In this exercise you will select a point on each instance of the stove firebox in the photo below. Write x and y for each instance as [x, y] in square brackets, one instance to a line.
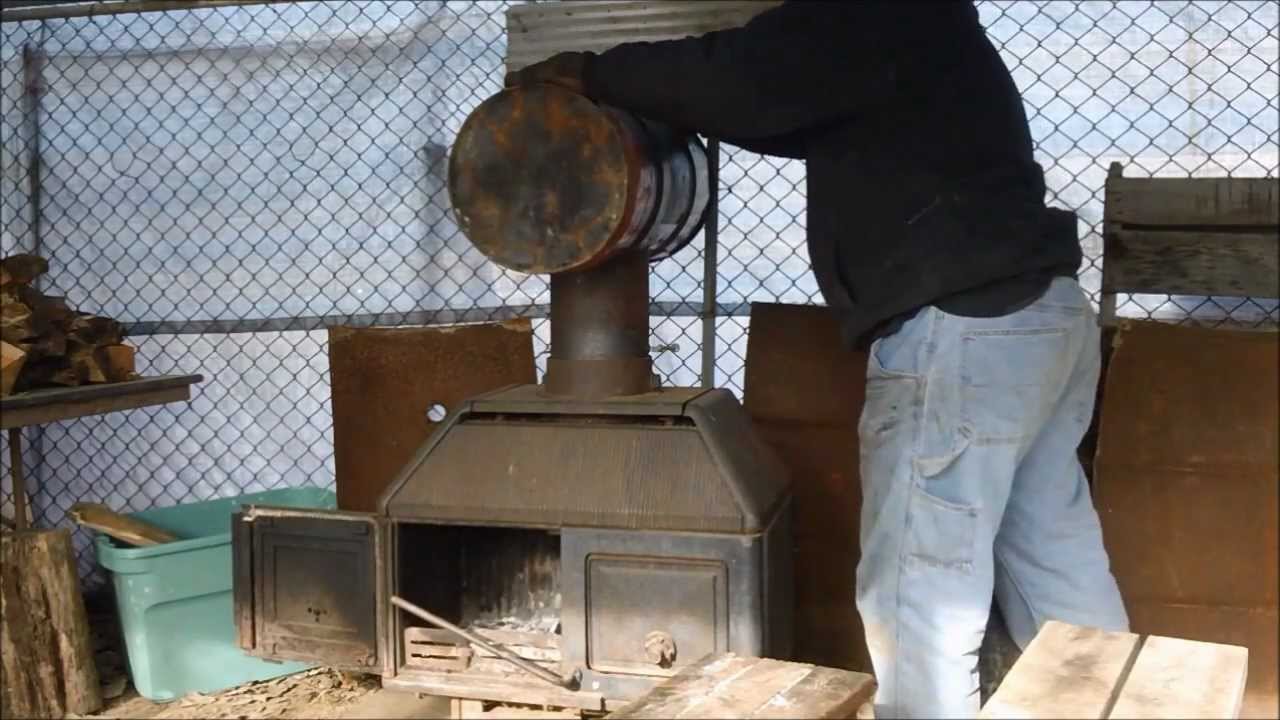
[596, 525]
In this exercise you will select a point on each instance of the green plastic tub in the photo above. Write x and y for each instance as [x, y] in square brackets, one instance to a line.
[175, 599]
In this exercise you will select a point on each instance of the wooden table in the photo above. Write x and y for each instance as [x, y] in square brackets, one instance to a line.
[1078, 672]
[37, 407]
[733, 686]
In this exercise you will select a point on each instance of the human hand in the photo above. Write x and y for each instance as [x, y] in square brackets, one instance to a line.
[563, 70]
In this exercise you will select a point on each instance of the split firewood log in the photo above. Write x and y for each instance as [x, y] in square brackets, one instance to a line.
[46, 653]
[61, 345]
[117, 362]
[94, 331]
[12, 358]
[22, 269]
[17, 325]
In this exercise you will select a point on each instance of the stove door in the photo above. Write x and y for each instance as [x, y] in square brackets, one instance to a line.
[308, 586]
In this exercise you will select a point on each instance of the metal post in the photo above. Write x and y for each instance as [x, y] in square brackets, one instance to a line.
[33, 88]
[19, 482]
[56, 11]
[33, 81]
[710, 262]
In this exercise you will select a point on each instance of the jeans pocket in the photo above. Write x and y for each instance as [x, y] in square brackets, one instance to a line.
[1011, 379]
[941, 534]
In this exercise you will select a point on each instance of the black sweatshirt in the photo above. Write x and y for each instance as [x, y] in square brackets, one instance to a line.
[922, 187]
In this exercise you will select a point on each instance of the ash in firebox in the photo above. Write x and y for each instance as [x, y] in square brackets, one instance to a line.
[543, 624]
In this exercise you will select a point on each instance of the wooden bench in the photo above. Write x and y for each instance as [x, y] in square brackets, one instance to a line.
[1075, 672]
[1188, 236]
[730, 686]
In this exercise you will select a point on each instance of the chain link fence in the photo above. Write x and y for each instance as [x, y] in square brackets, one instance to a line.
[229, 181]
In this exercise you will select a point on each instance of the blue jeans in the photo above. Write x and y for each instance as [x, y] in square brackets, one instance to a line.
[971, 486]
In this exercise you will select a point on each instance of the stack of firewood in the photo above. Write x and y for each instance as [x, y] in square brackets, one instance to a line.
[44, 343]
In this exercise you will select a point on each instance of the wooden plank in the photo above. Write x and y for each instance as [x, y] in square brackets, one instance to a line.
[1193, 201]
[1244, 264]
[1175, 678]
[454, 651]
[529, 645]
[436, 636]
[748, 692]
[45, 396]
[837, 694]
[549, 641]
[125, 529]
[38, 407]
[1254, 628]
[730, 686]
[71, 410]
[455, 664]
[518, 688]
[1066, 671]
[694, 681]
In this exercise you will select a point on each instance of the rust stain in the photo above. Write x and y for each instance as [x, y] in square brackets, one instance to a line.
[540, 176]
[385, 382]
[544, 180]
[804, 393]
[1186, 485]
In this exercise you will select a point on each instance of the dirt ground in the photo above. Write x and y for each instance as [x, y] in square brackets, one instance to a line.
[318, 693]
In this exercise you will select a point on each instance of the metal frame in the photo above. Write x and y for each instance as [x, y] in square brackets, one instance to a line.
[710, 267]
[59, 11]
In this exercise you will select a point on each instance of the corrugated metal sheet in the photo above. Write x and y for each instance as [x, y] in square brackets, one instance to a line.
[537, 31]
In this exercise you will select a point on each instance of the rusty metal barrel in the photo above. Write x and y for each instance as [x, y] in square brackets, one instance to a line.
[543, 180]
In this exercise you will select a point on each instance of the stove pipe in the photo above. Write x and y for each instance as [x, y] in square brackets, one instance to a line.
[543, 180]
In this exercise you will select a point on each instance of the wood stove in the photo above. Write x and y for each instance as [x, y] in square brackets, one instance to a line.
[596, 525]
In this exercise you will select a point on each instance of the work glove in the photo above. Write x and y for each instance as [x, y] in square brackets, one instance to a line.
[564, 70]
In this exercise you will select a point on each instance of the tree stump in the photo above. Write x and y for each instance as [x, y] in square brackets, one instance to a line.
[46, 656]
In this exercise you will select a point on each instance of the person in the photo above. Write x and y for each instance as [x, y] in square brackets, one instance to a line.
[929, 235]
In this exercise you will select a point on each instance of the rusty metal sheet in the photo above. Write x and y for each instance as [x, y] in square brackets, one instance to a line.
[391, 387]
[797, 370]
[1186, 484]
[804, 393]
[536, 31]
[1186, 476]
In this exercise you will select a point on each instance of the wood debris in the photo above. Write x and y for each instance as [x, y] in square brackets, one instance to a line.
[47, 343]
[316, 693]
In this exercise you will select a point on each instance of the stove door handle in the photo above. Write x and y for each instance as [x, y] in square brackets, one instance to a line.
[572, 681]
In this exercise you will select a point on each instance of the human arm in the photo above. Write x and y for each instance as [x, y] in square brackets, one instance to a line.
[787, 71]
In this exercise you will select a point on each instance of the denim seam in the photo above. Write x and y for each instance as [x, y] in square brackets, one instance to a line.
[1017, 586]
[1016, 332]
[926, 350]
[878, 371]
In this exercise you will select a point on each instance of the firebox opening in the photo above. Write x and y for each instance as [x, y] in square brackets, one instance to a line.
[485, 578]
